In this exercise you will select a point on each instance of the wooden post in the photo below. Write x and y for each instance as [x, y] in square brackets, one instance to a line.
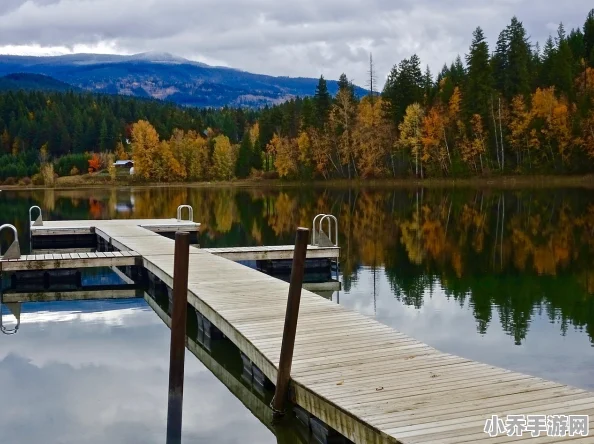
[291, 315]
[178, 337]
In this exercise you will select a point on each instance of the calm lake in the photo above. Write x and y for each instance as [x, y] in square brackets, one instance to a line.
[502, 277]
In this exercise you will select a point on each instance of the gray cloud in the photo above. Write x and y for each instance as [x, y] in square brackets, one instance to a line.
[306, 37]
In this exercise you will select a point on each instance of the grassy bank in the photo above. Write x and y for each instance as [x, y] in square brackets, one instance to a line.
[505, 182]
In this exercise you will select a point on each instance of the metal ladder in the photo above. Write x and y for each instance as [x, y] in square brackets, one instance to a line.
[14, 251]
[320, 239]
[190, 213]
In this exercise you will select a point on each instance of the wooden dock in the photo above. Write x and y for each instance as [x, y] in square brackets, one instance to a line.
[366, 380]
[59, 261]
[274, 252]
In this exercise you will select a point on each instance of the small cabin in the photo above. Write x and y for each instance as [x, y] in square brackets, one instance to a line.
[124, 164]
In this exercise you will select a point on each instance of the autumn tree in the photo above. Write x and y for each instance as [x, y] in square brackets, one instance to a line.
[435, 144]
[120, 152]
[286, 156]
[94, 163]
[411, 136]
[370, 137]
[342, 118]
[223, 158]
[153, 160]
[552, 121]
[191, 152]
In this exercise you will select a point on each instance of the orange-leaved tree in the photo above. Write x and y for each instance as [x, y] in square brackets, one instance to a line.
[94, 163]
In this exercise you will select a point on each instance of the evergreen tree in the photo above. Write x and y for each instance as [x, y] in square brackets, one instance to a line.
[519, 57]
[428, 86]
[308, 114]
[404, 87]
[500, 62]
[548, 59]
[322, 102]
[103, 136]
[562, 66]
[479, 84]
[589, 38]
[244, 157]
[389, 104]
[536, 67]
[345, 84]
[457, 71]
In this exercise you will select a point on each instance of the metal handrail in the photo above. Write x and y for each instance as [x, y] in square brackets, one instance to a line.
[330, 217]
[39, 220]
[313, 236]
[14, 251]
[190, 213]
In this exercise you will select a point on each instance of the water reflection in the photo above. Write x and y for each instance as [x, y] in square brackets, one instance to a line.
[99, 370]
[465, 270]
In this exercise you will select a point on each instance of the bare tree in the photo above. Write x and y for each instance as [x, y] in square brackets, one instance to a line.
[372, 80]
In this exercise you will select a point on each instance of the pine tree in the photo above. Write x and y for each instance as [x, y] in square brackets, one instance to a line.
[390, 107]
[322, 102]
[103, 136]
[308, 114]
[244, 157]
[562, 66]
[458, 72]
[404, 87]
[589, 38]
[479, 84]
[519, 55]
[548, 59]
[343, 82]
[428, 86]
[500, 62]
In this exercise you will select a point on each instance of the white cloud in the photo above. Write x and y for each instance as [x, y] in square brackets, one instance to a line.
[300, 38]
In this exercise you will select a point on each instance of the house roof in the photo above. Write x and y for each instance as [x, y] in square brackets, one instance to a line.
[123, 162]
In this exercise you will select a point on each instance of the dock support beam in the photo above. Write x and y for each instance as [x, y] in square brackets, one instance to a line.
[178, 337]
[291, 315]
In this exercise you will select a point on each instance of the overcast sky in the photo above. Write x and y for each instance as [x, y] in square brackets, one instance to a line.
[278, 37]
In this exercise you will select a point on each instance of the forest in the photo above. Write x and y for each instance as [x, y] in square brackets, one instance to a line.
[514, 108]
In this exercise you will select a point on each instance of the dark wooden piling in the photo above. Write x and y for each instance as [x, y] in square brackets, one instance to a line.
[178, 337]
[291, 315]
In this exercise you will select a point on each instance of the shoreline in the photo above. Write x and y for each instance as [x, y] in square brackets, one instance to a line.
[503, 182]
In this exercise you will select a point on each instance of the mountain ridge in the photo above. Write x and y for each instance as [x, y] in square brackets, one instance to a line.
[166, 77]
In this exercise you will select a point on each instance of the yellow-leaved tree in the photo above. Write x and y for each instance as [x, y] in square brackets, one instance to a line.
[153, 160]
[552, 117]
[191, 151]
[473, 149]
[411, 135]
[286, 158]
[435, 147]
[371, 138]
[223, 158]
[342, 121]
[120, 151]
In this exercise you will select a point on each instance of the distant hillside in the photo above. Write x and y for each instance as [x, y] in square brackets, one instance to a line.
[166, 77]
[33, 82]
